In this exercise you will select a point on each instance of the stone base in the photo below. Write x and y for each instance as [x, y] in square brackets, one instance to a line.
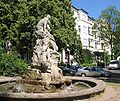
[39, 86]
[99, 86]
[32, 74]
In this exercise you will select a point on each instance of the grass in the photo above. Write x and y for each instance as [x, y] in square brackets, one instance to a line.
[115, 85]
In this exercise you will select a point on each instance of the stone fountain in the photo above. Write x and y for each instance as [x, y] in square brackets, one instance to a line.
[44, 70]
[43, 78]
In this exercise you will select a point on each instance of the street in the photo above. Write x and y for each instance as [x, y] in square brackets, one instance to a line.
[112, 92]
[115, 74]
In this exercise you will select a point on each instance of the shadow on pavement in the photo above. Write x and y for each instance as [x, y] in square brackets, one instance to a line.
[115, 78]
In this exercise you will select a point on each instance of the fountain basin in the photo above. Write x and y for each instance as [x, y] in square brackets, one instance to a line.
[97, 86]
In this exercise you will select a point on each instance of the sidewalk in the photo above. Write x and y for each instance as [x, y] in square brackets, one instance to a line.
[110, 94]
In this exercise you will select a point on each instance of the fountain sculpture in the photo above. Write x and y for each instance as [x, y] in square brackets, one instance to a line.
[44, 67]
[45, 55]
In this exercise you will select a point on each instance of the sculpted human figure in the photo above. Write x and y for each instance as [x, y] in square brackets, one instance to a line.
[43, 24]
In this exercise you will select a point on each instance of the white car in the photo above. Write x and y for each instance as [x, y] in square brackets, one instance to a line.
[114, 64]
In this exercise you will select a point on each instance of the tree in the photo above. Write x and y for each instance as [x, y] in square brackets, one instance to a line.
[107, 25]
[117, 40]
[19, 19]
[87, 56]
[62, 22]
[17, 25]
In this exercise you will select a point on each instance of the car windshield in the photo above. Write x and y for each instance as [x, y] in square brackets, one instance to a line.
[114, 62]
[99, 68]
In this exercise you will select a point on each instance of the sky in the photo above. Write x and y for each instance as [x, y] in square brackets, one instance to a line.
[94, 7]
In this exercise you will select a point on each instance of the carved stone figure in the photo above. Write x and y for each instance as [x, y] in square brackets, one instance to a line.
[45, 55]
[43, 24]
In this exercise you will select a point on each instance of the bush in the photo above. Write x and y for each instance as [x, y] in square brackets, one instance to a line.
[87, 57]
[86, 64]
[11, 64]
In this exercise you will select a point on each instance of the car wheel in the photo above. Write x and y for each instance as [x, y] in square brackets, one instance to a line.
[102, 75]
[83, 75]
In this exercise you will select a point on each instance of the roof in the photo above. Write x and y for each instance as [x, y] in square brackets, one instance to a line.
[83, 11]
[91, 18]
[80, 9]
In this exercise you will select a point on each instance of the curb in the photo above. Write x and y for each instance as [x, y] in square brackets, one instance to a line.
[98, 86]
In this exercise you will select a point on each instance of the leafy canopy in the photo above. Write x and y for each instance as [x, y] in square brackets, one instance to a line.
[19, 18]
[107, 26]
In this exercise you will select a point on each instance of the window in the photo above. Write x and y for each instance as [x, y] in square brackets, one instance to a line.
[84, 16]
[90, 42]
[87, 68]
[93, 69]
[79, 28]
[88, 30]
[95, 45]
[84, 29]
[102, 46]
[114, 62]
[78, 16]
[84, 41]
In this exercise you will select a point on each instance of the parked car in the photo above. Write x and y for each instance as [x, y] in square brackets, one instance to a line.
[67, 71]
[93, 71]
[114, 64]
[76, 67]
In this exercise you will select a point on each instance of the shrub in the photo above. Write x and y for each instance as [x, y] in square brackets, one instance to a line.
[87, 57]
[11, 64]
[87, 64]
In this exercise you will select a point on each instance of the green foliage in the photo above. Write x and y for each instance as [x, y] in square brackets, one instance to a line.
[19, 18]
[107, 25]
[117, 49]
[11, 64]
[87, 64]
[106, 58]
[87, 57]
[116, 46]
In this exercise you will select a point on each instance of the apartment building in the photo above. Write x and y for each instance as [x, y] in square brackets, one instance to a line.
[90, 38]
[84, 25]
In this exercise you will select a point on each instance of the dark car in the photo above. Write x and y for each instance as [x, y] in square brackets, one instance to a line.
[67, 71]
[76, 67]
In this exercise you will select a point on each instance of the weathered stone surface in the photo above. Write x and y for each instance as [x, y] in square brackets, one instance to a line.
[32, 74]
[99, 86]
[45, 55]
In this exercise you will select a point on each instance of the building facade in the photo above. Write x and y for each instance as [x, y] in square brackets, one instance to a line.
[89, 37]
[84, 26]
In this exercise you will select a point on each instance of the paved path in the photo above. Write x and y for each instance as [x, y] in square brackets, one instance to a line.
[110, 94]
